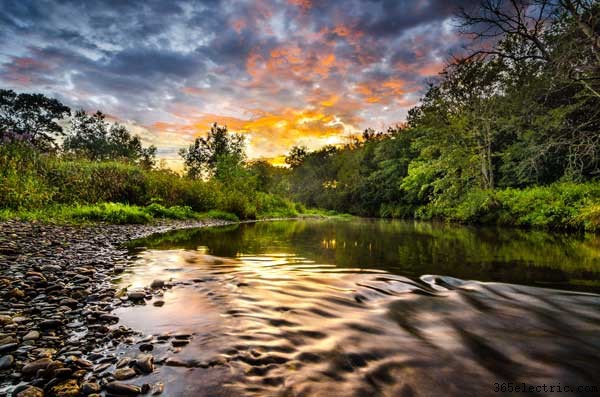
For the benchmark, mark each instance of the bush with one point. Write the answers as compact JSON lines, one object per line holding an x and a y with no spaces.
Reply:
{"x":174,"y":212}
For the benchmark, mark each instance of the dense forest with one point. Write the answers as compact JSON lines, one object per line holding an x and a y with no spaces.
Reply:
{"x":509,"y":130}
{"x":509,"y":133}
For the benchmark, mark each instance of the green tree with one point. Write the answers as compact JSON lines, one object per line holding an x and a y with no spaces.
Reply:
{"x":220,"y":154}
{"x":94,"y":138}
{"x":32,"y":118}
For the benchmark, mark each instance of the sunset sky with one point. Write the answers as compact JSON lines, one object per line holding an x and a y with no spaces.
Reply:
{"x":283,"y":72}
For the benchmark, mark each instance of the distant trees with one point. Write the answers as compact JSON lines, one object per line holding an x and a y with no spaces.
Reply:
{"x":220,"y":154}
{"x":31,"y":118}
{"x":40,"y":121}
{"x":94,"y":138}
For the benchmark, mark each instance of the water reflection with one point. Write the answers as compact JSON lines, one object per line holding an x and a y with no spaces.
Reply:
{"x":335,"y":309}
{"x":564,"y":261}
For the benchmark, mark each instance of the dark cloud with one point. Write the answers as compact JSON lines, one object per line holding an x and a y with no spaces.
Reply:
{"x":172,"y":63}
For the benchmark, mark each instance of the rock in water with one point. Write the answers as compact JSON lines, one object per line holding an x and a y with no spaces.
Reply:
{"x":136,"y":295}
{"x":145,"y":363}
{"x":124,"y":373}
{"x":88,"y":388}
{"x":157,"y":284}
{"x":120,"y":388}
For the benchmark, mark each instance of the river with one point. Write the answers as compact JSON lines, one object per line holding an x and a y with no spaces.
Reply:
{"x":367,"y":308}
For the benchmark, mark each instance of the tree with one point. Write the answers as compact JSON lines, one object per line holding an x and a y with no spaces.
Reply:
{"x":96,"y":139}
{"x":32,"y":118}
{"x":296,"y":156}
{"x":218,"y":155}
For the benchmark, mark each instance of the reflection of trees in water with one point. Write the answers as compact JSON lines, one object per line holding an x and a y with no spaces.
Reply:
{"x":410,"y":248}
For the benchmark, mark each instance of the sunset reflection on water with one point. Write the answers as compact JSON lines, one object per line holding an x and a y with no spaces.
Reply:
{"x":276,"y":322}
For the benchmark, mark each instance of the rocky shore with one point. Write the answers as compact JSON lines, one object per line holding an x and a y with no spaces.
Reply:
{"x":56,"y":303}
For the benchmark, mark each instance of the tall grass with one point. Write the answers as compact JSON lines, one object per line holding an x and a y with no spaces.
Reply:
{"x":31,"y":182}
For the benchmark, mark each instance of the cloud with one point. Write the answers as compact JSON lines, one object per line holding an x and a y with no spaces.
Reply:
{"x":283,"y":72}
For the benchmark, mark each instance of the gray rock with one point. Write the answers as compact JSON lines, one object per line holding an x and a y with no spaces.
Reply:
{"x":6,"y":362}
{"x":7,"y":348}
{"x":32,"y":335}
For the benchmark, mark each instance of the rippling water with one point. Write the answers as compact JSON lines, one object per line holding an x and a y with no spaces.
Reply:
{"x":346,"y":308}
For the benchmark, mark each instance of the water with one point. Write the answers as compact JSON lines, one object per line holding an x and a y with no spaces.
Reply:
{"x":370,"y":308}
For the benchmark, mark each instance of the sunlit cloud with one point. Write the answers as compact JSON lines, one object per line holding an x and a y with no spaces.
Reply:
{"x":281,"y":72}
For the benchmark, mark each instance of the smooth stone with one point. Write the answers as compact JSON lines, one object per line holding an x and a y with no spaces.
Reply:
{"x":145,"y":363}
{"x":158,"y":388}
{"x":50,"y":324}
{"x":136,"y":295}
{"x":34,"y":366}
{"x":179,"y":342}
{"x":146,"y":347}
{"x":4,"y":320}
{"x":124,"y":373}
{"x":125,"y":389}
{"x":32,"y":335}
{"x":9,"y":347}
{"x":175,"y":362}
{"x":63,"y":373}
{"x":6,"y":362}
{"x":157,"y":284}
{"x":31,"y":391}
{"x":83,"y":363}
{"x":158,"y":303}
{"x":68,"y":388}
{"x":123,"y":362}
{"x":88,"y":388}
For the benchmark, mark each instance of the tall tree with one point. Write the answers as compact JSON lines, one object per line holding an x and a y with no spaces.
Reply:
{"x":95,"y":138}
{"x":216,"y":155}
{"x":32,"y":118}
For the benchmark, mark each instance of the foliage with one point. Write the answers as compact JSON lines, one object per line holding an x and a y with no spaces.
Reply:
{"x":94,"y":138}
{"x":218,"y":155}
{"x":30,"y":118}
{"x":32,"y":182}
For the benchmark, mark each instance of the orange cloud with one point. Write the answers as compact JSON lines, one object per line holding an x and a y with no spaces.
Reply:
{"x":305,"y":4}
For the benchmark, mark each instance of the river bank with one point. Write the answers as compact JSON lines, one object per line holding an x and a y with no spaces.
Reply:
{"x":56,"y":306}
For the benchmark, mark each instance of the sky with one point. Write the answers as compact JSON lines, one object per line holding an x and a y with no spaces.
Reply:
{"x":281,"y":72}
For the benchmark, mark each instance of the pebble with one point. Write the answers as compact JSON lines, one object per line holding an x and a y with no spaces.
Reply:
{"x":56,"y":305}
{"x":124,"y":373}
{"x":136,"y":295}
{"x":156,"y":284}
{"x":32,"y":335}
{"x":145,"y":363}
{"x":125,"y":389}
{"x":6,"y":362}
{"x":31,"y":391}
